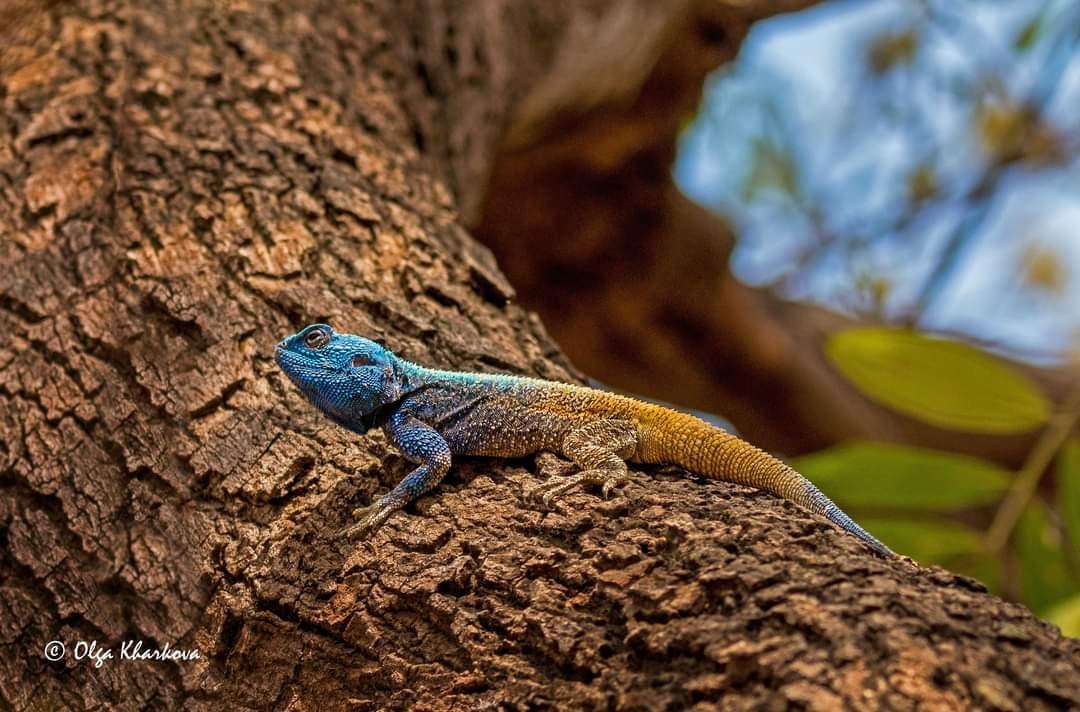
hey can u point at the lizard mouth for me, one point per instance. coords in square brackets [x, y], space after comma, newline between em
[297, 366]
[285, 359]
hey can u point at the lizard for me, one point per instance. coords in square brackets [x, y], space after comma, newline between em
[431, 415]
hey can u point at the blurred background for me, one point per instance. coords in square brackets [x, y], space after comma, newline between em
[911, 161]
[859, 244]
[915, 163]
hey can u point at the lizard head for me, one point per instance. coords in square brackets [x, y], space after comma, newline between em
[347, 377]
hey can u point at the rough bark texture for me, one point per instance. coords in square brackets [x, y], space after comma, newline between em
[181, 184]
[632, 279]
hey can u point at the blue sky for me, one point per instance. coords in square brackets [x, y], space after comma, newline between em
[808, 73]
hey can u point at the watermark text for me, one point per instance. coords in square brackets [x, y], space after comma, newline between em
[99, 655]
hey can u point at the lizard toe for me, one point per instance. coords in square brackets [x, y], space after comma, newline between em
[553, 488]
[369, 519]
[610, 484]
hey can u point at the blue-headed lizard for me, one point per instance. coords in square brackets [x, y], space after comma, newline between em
[431, 415]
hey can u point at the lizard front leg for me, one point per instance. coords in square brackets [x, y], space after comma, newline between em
[600, 449]
[419, 443]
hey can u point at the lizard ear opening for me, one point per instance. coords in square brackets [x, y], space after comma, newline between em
[392, 384]
[360, 360]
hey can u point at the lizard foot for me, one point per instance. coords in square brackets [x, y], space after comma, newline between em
[556, 486]
[370, 518]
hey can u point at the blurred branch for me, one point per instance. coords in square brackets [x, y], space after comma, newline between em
[964, 233]
[1061, 425]
[832, 210]
[1049, 81]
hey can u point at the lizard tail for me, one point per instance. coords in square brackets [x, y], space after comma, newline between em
[674, 438]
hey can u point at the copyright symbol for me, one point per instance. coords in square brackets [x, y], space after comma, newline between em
[54, 650]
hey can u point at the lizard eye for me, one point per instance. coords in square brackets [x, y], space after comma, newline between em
[316, 339]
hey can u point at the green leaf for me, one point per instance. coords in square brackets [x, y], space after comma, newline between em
[940, 382]
[1069, 489]
[1044, 573]
[1066, 615]
[866, 474]
[930, 541]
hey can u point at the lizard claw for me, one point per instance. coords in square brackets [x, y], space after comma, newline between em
[554, 487]
[370, 518]
[557, 486]
[610, 484]
[551, 488]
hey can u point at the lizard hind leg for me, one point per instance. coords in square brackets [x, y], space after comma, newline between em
[600, 449]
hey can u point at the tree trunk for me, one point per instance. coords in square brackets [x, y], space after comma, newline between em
[183, 183]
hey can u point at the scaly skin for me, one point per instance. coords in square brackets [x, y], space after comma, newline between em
[431, 415]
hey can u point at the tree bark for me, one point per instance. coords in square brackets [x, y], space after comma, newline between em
[182, 184]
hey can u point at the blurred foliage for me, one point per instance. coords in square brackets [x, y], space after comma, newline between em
[1045, 578]
[889, 50]
[919, 156]
[926, 176]
[931, 541]
[944, 383]
[922, 184]
[1066, 615]
[770, 168]
[1043, 268]
[883, 476]
[1069, 491]
[953, 386]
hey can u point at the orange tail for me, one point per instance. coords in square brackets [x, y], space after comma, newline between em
[671, 437]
